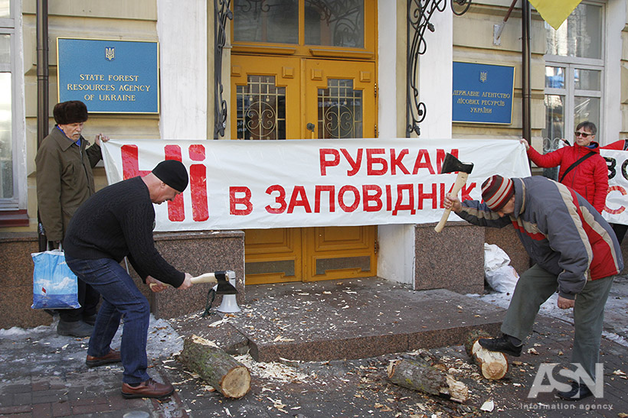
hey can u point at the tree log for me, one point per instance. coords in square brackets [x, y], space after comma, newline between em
[420, 376]
[493, 365]
[472, 337]
[216, 367]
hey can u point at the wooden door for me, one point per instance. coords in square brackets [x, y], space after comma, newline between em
[306, 71]
[266, 92]
[292, 98]
[339, 103]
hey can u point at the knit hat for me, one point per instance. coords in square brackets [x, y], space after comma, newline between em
[497, 191]
[173, 173]
[73, 111]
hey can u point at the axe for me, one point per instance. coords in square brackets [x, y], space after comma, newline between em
[220, 277]
[452, 164]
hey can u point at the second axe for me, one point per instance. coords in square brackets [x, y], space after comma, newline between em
[450, 165]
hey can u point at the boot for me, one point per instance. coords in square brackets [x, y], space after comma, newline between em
[504, 344]
[77, 329]
[147, 389]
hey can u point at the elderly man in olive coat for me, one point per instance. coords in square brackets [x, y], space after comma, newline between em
[64, 181]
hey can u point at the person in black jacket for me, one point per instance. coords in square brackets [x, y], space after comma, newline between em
[114, 223]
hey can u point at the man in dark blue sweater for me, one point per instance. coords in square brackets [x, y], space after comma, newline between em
[114, 223]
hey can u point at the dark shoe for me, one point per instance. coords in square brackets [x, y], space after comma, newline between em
[74, 329]
[91, 320]
[578, 391]
[147, 389]
[112, 356]
[502, 344]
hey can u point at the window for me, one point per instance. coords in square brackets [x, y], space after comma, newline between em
[266, 21]
[574, 72]
[261, 109]
[305, 27]
[12, 141]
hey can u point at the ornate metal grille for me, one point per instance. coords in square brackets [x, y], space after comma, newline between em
[419, 14]
[339, 110]
[222, 12]
[341, 23]
[261, 109]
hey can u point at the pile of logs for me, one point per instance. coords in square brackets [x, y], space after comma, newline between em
[233, 379]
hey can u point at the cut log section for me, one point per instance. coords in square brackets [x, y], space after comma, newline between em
[216, 367]
[493, 365]
[420, 376]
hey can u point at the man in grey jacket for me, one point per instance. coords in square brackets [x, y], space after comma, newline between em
[575, 252]
[65, 180]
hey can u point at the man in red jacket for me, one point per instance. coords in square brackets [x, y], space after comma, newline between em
[582, 168]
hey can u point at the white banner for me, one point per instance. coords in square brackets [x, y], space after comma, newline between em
[616, 200]
[307, 183]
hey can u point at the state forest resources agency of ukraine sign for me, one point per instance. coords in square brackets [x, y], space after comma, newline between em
[482, 93]
[109, 76]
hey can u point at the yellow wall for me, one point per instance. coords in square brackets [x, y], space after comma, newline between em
[473, 42]
[95, 19]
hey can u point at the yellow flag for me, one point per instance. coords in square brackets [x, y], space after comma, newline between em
[555, 12]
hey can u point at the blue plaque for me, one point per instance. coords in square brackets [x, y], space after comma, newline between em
[109, 76]
[482, 93]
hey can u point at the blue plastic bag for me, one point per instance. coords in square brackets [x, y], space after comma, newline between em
[55, 286]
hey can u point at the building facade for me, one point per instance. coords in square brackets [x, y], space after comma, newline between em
[282, 69]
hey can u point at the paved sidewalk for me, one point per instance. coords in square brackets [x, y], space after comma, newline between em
[44, 375]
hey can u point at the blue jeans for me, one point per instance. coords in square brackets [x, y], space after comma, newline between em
[121, 298]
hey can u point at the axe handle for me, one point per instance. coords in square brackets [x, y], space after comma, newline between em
[203, 278]
[461, 179]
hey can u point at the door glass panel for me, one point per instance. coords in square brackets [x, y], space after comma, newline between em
[6, 157]
[275, 21]
[555, 77]
[339, 110]
[334, 23]
[359, 263]
[261, 109]
[587, 109]
[554, 128]
[587, 79]
[5, 8]
[284, 267]
[5, 49]
[580, 35]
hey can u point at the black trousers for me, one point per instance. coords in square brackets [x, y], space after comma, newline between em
[620, 231]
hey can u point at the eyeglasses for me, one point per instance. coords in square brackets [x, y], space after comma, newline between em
[583, 134]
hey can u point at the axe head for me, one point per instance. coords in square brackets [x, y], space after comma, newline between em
[224, 287]
[452, 164]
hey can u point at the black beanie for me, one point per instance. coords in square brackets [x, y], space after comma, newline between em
[73, 111]
[173, 173]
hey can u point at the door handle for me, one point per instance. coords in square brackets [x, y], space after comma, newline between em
[310, 127]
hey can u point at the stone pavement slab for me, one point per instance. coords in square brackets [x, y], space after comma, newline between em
[357, 318]
[44, 375]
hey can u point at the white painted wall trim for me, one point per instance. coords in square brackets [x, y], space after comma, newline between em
[20, 181]
[396, 258]
[435, 77]
[182, 32]
[616, 20]
[397, 254]
[387, 70]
